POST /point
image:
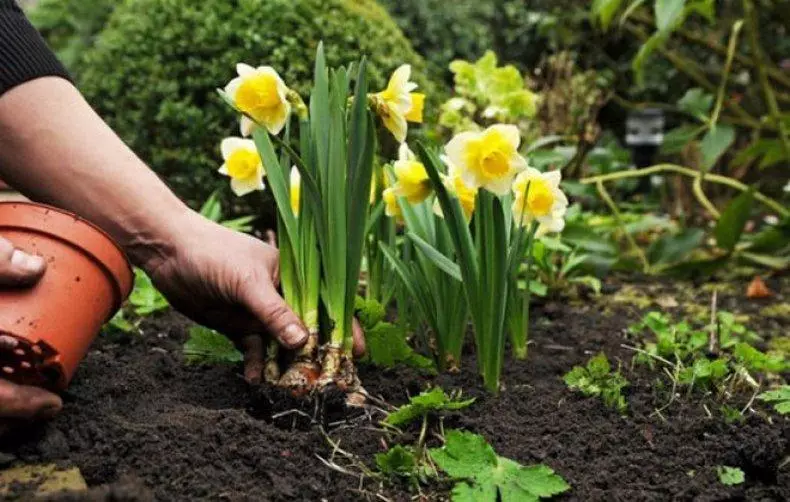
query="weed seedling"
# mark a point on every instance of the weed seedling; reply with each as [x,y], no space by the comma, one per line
[432,401]
[779,398]
[598,379]
[206,346]
[483,476]
[730,476]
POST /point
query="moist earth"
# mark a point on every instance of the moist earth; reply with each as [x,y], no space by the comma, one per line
[140,424]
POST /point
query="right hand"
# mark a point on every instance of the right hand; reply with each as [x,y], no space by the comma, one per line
[21,402]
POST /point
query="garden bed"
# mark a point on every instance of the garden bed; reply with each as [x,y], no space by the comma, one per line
[139,420]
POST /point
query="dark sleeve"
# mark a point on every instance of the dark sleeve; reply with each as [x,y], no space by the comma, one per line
[24,55]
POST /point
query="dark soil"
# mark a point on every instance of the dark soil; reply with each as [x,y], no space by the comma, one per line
[142,425]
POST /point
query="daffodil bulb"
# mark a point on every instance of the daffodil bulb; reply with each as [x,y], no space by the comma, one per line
[391,206]
[243,165]
[487,159]
[411,177]
[262,96]
[398,104]
[537,197]
[296,189]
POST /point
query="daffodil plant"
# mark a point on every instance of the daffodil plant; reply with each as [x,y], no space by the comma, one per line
[319,173]
[492,206]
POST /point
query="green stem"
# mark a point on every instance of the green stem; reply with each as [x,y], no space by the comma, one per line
[621,225]
[713,178]
[731,47]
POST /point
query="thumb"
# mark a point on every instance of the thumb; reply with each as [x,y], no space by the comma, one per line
[18,268]
[265,303]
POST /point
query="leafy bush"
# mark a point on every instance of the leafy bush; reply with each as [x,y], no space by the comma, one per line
[154,69]
[70,27]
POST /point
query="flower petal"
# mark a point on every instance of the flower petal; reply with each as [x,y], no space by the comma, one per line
[245,186]
[246,126]
[510,132]
[231,144]
[244,70]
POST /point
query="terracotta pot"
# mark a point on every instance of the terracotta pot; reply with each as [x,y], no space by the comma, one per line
[87,279]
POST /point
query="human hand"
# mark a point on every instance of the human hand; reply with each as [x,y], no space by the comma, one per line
[21,402]
[228,281]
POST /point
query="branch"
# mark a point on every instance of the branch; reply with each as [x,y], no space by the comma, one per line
[691,173]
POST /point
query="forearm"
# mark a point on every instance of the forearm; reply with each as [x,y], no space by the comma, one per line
[54,148]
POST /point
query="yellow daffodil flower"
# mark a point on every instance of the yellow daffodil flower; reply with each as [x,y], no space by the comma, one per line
[243,165]
[397,104]
[466,195]
[412,178]
[488,158]
[262,96]
[544,202]
[391,207]
[296,189]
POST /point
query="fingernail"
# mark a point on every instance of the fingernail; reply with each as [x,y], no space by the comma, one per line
[27,262]
[294,335]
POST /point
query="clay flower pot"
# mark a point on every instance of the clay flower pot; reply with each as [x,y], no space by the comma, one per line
[87,279]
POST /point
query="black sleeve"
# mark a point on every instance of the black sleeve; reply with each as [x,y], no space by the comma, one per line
[24,55]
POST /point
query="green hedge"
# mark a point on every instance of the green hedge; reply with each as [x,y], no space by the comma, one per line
[154,69]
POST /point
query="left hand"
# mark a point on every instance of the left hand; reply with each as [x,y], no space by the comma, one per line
[228,281]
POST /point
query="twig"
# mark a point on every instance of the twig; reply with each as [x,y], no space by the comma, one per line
[713,343]
[654,356]
[621,225]
[754,395]
[713,178]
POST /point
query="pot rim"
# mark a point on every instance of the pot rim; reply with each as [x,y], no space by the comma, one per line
[117,267]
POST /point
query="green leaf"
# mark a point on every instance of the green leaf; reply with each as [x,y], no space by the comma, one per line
[605,11]
[677,139]
[780,398]
[397,461]
[145,298]
[733,220]
[369,312]
[696,102]
[482,475]
[673,248]
[388,347]
[730,476]
[440,260]
[120,323]
[432,401]
[669,13]
[715,142]
[597,379]
[653,43]
[207,346]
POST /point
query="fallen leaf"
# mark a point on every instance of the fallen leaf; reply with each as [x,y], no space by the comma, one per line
[44,479]
[758,289]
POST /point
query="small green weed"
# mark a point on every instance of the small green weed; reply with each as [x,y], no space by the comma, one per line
[730,476]
[598,379]
[387,344]
[779,398]
[483,476]
[206,346]
[420,406]
[705,357]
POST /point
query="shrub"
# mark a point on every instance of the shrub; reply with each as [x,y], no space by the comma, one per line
[154,69]
[70,27]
